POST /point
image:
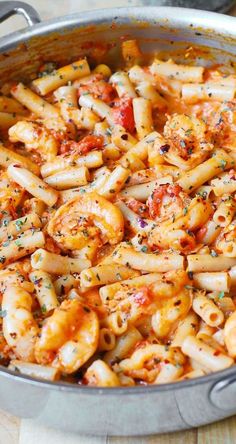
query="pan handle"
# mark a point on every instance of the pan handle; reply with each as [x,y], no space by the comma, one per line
[223,394]
[9,8]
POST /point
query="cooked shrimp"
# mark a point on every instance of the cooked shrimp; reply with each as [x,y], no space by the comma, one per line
[69,337]
[131,303]
[166,201]
[35,137]
[222,124]
[187,143]
[14,277]
[10,193]
[86,217]
[19,327]
[179,233]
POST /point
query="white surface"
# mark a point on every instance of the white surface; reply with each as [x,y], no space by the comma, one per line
[32,433]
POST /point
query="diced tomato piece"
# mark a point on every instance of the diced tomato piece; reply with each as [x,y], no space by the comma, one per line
[99,88]
[123,113]
[88,143]
[13,212]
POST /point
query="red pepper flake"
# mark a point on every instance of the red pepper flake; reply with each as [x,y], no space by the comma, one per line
[216,353]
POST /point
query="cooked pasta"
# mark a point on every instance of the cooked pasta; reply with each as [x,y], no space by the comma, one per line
[118,222]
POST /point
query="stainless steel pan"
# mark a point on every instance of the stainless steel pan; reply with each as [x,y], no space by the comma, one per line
[118,411]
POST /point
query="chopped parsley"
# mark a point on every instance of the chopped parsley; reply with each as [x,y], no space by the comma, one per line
[19,224]
[49,286]
[203,194]
[144,248]
[190,275]
[3,313]
[44,308]
[223,164]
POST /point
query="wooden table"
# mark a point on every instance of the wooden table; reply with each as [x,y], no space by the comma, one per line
[16,431]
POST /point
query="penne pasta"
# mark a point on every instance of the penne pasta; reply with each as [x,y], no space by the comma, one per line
[205,355]
[108,291]
[8,119]
[122,139]
[148,262]
[16,249]
[7,157]
[208,262]
[123,85]
[97,106]
[61,76]
[18,226]
[218,281]
[114,182]
[143,191]
[105,274]
[207,310]
[224,214]
[55,264]
[12,106]
[140,149]
[45,291]
[192,93]
[59,164]
[142,117]
[34,370]
[124,344]
[202,173]
[100,374]
[118,220]
[70,177]
[187,327]
[35,186]
[107,340]
[40,107]
[225,183]
[148,92]
[185,73]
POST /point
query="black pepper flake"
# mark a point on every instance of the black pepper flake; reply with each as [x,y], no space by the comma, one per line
[86,309]
[190,275]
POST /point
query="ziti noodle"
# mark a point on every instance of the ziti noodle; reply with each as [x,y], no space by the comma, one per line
[118,222]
